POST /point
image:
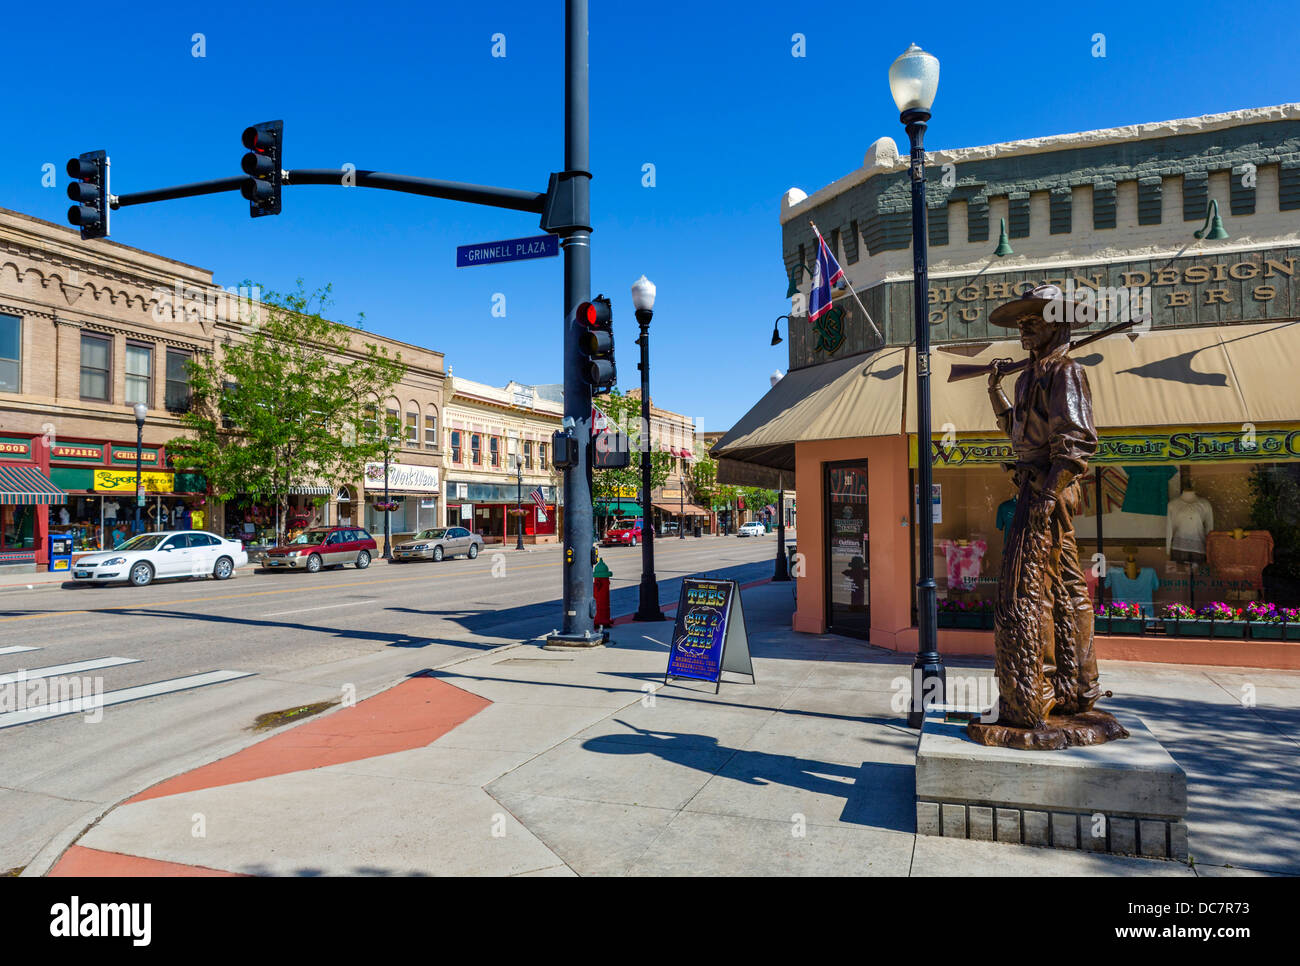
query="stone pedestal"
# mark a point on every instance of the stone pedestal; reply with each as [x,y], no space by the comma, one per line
[1124,796]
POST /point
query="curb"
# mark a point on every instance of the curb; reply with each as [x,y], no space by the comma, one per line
[53,850]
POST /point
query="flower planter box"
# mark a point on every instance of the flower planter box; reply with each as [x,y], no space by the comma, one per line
[1205,628]
[1261,631]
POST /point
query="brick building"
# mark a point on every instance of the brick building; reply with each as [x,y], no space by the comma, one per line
[88,330]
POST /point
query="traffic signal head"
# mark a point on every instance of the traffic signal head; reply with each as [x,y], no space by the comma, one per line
[265,143]
[596,343]
[89,192]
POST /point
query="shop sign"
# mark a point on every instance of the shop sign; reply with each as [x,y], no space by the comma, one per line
[15,447]
[128,455]
[467,511]
[421,479]
[68,451]
[121,481]
[936,500]
[709,634]
[1268,444]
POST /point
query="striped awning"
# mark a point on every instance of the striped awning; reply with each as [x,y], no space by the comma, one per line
[311,491]
[25,485]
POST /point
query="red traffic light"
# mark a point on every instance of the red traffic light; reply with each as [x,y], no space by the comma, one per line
[595,314]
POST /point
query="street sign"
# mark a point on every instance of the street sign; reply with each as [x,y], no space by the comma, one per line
[510,250]
[709,635]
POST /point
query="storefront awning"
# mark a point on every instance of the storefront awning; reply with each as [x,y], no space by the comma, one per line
[861,395]
[685,510]
[1210,375]
[618,509]
[26,485]
[311,490]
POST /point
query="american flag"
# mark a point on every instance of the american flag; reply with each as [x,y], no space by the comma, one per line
[539,498]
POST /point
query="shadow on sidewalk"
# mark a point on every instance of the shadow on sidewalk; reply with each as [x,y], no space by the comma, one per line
[876,794]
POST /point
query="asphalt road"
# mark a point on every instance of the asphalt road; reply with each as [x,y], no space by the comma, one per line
[193,663]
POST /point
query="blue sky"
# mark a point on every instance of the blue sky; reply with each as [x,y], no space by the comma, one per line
[708,93]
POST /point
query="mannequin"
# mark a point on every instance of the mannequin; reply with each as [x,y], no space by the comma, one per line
[1133,584]
[1190,520]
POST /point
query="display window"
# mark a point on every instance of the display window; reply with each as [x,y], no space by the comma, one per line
[17,527]
[1164,548]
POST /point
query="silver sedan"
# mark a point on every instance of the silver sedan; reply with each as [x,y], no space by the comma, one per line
[437,544]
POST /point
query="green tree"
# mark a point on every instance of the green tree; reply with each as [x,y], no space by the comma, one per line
[286,403]
[607,486]
[704,481]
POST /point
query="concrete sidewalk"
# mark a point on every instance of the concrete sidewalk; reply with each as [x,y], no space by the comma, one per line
[526,761]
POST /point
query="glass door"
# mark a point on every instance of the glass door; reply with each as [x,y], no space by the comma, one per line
[848,587]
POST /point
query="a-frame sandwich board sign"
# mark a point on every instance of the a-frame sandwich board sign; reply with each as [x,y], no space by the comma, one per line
[709,634]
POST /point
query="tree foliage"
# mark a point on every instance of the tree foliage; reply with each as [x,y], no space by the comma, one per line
[288,401]
[609,485]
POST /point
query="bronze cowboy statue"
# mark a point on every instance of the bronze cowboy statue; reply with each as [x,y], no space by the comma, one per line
[1045,664]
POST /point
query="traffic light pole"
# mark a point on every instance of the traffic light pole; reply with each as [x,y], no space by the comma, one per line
[579,601]
[565,208]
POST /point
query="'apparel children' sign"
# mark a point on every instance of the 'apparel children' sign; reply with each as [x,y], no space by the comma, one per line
[709,634]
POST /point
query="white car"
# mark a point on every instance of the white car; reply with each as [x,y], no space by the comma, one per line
[752,530]
[168,553]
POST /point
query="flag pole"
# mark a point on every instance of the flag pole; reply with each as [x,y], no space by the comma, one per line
[852,290]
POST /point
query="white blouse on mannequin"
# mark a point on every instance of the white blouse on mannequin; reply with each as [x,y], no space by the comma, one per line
[1191,518]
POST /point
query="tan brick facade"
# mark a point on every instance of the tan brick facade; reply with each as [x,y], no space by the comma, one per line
[63,291]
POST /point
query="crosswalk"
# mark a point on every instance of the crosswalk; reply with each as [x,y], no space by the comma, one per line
[35,694]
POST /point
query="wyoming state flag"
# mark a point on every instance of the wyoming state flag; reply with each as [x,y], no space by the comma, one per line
[826,274]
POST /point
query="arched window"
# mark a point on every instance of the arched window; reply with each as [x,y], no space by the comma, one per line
[431,428]
[411,430]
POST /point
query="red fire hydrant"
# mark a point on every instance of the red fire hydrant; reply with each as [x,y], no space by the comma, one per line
[600,590]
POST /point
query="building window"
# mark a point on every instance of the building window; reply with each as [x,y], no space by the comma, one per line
[430,432]
[541,459]
[139,374]
[95,353]
[495,449]
[393,427]
[413,429]
[455,445]
[177,389]
[475,449]
[528,455]
[11,352]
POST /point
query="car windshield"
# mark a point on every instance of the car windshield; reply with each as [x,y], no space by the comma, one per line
[625,525]
[145,541]
[311,537]
[431,534]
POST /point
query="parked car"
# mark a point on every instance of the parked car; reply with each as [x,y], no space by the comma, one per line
[623,533]
[668,529]
[322,547]
[167,553]
[754,529]
[438,543]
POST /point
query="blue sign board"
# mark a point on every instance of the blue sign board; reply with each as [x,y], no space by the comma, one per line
[709,633]
[510,250]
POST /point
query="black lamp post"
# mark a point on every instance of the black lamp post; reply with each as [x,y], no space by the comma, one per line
[782,571]
[519,496]
[643,300]
[141,411]
[681,503]
[913,80]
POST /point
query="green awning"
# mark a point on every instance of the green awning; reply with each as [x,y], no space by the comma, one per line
[618,509]
[73,478]
[27,485]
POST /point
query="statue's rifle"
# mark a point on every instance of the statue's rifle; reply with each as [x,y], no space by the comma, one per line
[968,371]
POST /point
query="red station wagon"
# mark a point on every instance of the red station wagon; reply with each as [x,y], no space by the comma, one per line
[623,533]
[322,547]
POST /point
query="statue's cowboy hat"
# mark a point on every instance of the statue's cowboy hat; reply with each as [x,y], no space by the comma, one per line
[1047,302]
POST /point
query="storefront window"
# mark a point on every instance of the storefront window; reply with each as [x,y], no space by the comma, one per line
[17,527]
[11,353]
[1154,541]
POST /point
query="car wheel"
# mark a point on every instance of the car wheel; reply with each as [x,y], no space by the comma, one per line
[224,568]
[142,574]
[313,564]
[363,560]
[437,553]
[473,550]
[633,543]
